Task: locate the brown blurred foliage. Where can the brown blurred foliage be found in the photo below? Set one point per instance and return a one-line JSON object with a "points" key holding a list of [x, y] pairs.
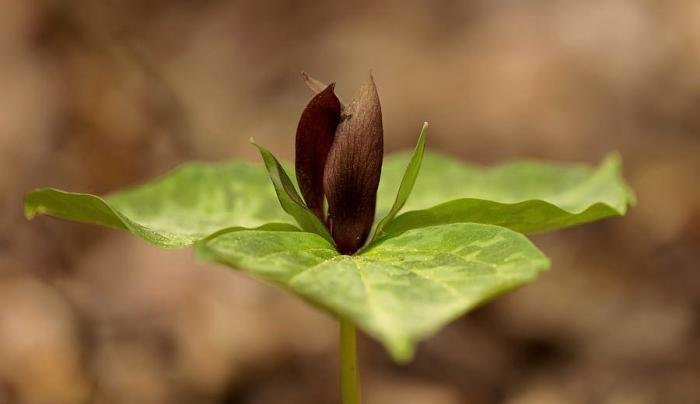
{"points": [[98, 95]]}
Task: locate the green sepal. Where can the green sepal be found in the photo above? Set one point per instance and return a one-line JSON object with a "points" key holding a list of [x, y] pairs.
{"points": [[525, 196], [407, 182], [289, 198]]}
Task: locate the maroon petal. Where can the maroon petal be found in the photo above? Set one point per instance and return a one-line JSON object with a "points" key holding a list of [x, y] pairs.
{"points": [[314, 138], [352, 171]]}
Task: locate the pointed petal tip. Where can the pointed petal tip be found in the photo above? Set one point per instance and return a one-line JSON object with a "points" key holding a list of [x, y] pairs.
{"points": [[316, 86], [370, 79], [330, 87], [369, 87]]}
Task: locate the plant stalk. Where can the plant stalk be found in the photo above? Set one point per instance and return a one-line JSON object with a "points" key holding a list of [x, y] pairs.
{"points": [[349, 372]]}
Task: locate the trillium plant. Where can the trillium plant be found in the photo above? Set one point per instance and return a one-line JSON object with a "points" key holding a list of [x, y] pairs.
{"points": [[396, 246]]}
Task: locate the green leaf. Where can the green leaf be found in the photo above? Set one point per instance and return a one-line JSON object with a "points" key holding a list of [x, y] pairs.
{"points": [[399, 290], [289, 198], [185, 205], [407, 182], [524, 196]]}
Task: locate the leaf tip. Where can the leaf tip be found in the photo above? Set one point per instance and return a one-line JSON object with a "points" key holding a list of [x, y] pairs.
{"points": [[31, 209], [261, 150], [546, 264], [613, 161], [401, 351], [423, 133]]}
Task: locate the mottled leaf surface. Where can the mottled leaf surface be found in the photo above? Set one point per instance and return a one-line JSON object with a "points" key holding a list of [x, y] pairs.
{"points": [[526, 196], [400, 290], [185, 205], [198, 199]]}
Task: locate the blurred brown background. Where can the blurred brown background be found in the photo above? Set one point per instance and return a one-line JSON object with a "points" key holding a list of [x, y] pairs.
{"points": [[98, 95]]}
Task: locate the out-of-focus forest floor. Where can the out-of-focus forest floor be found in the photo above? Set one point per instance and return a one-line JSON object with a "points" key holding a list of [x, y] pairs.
{"points": [[98, 95]]}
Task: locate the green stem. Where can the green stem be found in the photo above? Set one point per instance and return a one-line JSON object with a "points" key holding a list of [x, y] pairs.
{"points": [[349, 372]]}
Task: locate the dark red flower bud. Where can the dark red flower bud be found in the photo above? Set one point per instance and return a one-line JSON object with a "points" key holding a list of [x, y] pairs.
{"points": [[315, 134], [352, 170]]}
